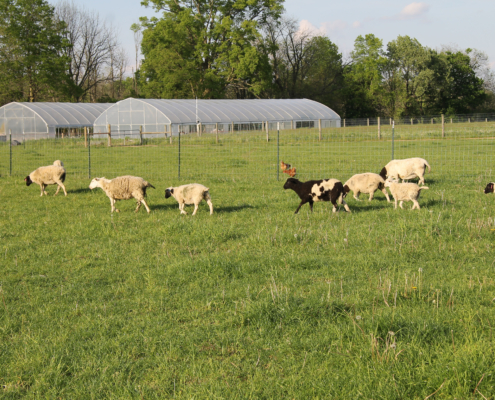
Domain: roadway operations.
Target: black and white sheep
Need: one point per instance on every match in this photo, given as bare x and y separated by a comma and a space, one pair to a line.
319, 190
123, 188
192, 193
405, 192
367, 183
490, 188
406, 169
49, 175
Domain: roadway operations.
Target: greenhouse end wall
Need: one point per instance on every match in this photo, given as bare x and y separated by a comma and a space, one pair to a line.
24, 124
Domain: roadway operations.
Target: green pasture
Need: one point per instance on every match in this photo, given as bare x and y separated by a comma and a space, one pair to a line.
253, 301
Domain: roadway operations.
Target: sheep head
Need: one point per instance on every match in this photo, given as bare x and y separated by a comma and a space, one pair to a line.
290, 183
95, 183
169, 192
489, 188
28, 180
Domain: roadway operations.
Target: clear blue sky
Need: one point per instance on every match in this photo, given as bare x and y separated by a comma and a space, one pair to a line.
433, 22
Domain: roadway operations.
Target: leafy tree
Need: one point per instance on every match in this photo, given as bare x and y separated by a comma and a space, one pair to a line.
205, 49
31, 41
363, 79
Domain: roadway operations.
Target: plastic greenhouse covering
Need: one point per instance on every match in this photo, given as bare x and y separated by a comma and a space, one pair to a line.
161, 115
47, 120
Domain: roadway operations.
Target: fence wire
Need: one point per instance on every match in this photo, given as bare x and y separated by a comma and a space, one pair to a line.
459, 147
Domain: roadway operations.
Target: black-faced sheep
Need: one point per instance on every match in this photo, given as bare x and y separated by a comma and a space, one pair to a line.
409, 168
123, 188
405, 192
490, 188
367, 183
192, 193
321, 190
49, 175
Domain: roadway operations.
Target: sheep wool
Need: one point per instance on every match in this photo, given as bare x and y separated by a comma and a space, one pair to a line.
192, 193
322, 190
123, 188
49, 175
367, 183
406, 169
405, 192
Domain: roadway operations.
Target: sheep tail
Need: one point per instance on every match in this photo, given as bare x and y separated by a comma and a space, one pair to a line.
147, 184
428, 165
423, 187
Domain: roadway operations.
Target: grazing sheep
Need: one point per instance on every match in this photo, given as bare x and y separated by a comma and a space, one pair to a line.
123, 188
192, 193
490, 188
367, 183
49, 175
409, 168
405, 192
322, 190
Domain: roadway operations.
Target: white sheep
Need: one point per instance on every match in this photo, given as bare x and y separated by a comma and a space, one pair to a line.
405, 192
49, 175
123, 188
192, 193
408, 168
367, 183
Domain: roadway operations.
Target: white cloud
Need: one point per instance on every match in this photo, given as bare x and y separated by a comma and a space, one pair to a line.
356, 24
414, 10
324, 29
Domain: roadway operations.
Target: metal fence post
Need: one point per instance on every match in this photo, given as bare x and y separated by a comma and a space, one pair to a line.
10, 151
89, 156
393, 129
179, 150
278, 149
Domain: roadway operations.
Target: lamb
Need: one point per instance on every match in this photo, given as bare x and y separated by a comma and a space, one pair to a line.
322, 190
123, 188
192, 193
49, 175
409, 168
405, 192
366, 183
490, 188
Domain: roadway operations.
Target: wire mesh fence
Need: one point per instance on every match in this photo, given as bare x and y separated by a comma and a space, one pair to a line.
458, 146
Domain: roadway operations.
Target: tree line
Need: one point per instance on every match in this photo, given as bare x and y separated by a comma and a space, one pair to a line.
213, 49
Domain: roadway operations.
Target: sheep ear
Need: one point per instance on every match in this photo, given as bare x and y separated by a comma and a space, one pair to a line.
172, 190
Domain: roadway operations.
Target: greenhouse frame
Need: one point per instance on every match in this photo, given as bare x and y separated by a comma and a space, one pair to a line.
169, 116
48, 120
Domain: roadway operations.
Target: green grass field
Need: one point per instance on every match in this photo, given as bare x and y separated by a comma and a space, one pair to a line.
253, 301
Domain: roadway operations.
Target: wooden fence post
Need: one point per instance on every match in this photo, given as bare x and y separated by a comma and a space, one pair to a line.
390, 121
141, 135
216, 130
319, 130
379, 130
368, 122
200, 128
443, 126
109, 135
171, 133
411, 121
267, 134
232, 127
344, 122
86, 136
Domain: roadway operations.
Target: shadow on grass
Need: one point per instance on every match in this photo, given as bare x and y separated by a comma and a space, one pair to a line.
81, 190
229, 209
164, 207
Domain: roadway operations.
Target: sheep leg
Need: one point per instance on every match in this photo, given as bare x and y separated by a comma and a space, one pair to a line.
372, 194
146, 206
415, 205
395, 205
386, 194
138, 206
356, 195
335, 207
304, 201
181, 208
195, 208
346, 206
60, 184
211, 206
400, 204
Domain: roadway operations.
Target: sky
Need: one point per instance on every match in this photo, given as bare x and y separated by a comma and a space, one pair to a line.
434, 23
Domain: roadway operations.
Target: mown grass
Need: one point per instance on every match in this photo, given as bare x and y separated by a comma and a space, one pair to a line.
254, 301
